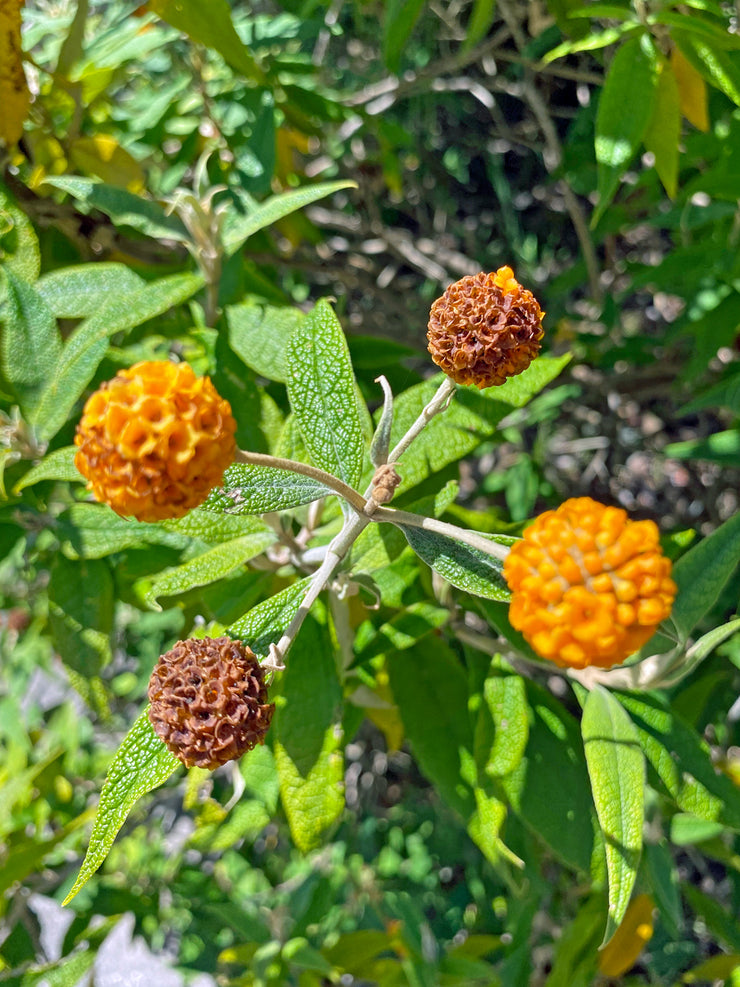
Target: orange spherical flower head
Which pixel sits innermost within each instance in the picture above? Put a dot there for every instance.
(209, 701)
(485, 329)
(589, 586)
(155, 440)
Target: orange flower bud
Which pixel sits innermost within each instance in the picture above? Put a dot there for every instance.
(155, 440)
(589, 586)
(209, 701)
(485, 328)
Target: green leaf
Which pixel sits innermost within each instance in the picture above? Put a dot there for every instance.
(402, 631)
(663, 877)
(81, 601)
(124, 208)
(549, 789)
(260, 489)
(19, 245)
(481, 18)
(92, 531)
(78, 291)
(58, 465)
(594, 41)
(505, 697)
(719, 68)
(29, 344)
(323, 396)
(204, 569)
(721, 447)
(576, 951)
(141, 763)
(616, 766)
(702, 573)
(240, 228)
(211, 528)
(398, 23)
(88, 344)
(266, 623)
(472, 417)
(67, 972)
(625, 108)
(430, 688)
(259, 335)
(210, 25)
(682, 762)
(470, 569)
(687, 830)
(308, 738)
(664, 129)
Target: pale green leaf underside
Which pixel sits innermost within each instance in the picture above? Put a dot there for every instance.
(260, 489)
(321, 389)
(469, 569)
(78, 291)
(616, 767)
(141, 763)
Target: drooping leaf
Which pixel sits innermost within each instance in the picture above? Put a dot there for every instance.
(692, 90)
(81, 613)
(625, 107)
(259, 336)
(664, 129)
(323, 396)
(87, 345)
(308, 738)
(616, 766)
(141, 763)
(681, 761)
(260, 489)
(266, 623)
(718, 67)
(240, 228)
(29, 343)
(124, 207)
(470, 569)
(211, 26)
(214, 564)
(78, 291)
(427, 679)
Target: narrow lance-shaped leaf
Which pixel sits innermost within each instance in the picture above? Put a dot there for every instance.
(616, 766)
(141, 764)
(322, 393)
(260, 489)
(625, 107)
(663, 131)
(470, 569)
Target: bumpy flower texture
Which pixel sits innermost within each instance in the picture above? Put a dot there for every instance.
(209, 701)
(155, 440)
(589, 586)
(485, 328)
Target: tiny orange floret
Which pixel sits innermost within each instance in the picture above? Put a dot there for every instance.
(154, 441)
(589, 586)
(485, 328)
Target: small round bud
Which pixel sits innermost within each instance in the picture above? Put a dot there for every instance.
(154, 441)
(485, 328)
(589, 586)
(209, 701)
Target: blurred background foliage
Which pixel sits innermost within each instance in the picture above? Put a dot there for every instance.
(594, 147)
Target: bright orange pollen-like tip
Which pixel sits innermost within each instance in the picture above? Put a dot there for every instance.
(154, 441)
(589, 586)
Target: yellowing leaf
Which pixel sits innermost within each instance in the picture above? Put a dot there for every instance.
(103, 157)
(692, 91)
(635, 930)
(14, 96)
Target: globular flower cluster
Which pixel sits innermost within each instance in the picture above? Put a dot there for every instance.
(485, 328)
(589, 586)
(209, 701)
(155, 440)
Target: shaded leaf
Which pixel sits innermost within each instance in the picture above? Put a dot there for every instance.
(398, 23)
(664, 129)
(266, 623)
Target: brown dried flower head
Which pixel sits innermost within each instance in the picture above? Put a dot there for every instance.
(154, 441)
(209, 701)
(485, 328)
